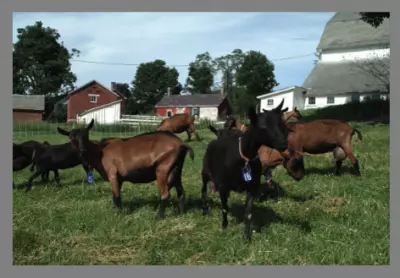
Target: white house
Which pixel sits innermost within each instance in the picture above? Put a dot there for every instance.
(353, 65)
(109, 113)
(294, 97)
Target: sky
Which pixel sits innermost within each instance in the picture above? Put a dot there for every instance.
(176, 38)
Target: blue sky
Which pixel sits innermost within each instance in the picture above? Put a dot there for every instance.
(178, 37)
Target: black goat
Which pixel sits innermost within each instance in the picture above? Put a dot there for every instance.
(231, 161)
(54, 158)
(22, 156)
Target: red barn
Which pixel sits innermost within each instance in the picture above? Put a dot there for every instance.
(204, 106)
(91, 95)
(28, 107)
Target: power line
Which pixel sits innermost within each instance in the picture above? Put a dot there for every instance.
(132, 64)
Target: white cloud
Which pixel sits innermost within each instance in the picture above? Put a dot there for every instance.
(178, 37)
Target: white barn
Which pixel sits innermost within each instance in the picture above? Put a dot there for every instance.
(294, 97)
(109, 113)
(353, 65)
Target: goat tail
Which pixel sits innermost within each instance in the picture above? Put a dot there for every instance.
(356, 131)
(213, 129)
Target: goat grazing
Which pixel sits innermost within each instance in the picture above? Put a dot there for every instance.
(325, 135)
(54, 158)
(22, 156)
(179, 123)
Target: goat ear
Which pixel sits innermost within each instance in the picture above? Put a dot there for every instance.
(252, 115)
(286, 109)
(62, 131)
(90, 125)
(279, 107)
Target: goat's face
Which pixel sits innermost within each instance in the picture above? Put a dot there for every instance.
(271, 129)
(79, 137)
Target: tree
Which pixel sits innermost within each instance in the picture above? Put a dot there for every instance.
(377, 68)
(228, 66)
(41, 63)
(151, 84)
(123, 88)
(374, 19)
(201, 75)
(177, 89)
(256, 75)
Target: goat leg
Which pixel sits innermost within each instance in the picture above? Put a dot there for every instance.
(30, 180)
(248, 216)
(57, 178)
(204, 202)
(223, 194)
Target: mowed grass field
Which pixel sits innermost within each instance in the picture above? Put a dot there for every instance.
(346, 223)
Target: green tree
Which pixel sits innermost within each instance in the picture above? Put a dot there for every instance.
(228, 66)
(256, 75)
(201, 75)
(123, 88)
(374, 19)
(151, 84)
(40, 62)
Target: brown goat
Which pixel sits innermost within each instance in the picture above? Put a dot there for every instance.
(325, 135)
(153, 156)
(295, 114)
(179, 123)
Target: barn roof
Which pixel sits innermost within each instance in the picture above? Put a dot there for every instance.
(191, 100)
(345, 77)
(29, 102)
(117, 94)
(345, 30)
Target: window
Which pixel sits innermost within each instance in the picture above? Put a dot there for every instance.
(311, 100)
(367, 98)
(330, 100)
(93, 98)
(270, 102)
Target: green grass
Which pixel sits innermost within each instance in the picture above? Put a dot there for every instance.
(75, 225)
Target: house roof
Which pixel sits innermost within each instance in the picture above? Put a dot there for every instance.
(191, 100)
(281, 91)
(345, 30)
(29, 102)
(342, 78)
(117, 94)
(99, 107)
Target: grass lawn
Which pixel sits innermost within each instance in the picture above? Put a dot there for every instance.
(347, 222)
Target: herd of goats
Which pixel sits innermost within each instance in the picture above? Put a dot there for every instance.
(234, 161)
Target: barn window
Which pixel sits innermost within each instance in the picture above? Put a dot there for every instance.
(270, 102)
(330, 100)
(311, 100)
(93, 98)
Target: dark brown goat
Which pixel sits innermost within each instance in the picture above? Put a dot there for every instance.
(231, 162)
(179, 123)
(325, 135)
(271, 158)
(22, 156)
(153, 156)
